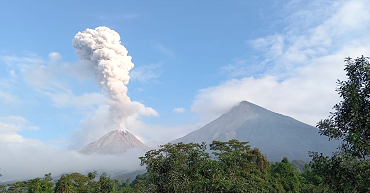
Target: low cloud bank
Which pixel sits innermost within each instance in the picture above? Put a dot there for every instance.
(31, 159)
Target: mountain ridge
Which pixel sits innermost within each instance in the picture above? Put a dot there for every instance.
(276, 135)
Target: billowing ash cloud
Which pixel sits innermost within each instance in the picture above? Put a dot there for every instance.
(102, 47)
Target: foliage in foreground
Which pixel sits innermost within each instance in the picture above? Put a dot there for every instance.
(69, 183)
(351, 119)
(349, 169)
(234, 167)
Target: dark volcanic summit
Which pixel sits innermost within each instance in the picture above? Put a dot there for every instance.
(276, 135)
(115, 143)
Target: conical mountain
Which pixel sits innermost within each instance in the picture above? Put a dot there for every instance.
(276, 135)
(115, 143)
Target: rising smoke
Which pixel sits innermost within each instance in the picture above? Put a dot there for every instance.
(103, 49)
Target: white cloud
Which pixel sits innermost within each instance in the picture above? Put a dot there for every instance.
(293, 48)
(42, 74)
(92, 127)
(10, 125)
(14, 61)
(13, 119)
(12, 74)
(8, 133)
(65, 98)
(23, 159)
(179, 110)
(35, 128)
(55, 57)
(34, 70)
(154, 135)
(82, 70)
(143, 110)
(241, 67)
(300, 67)
(46, 77)
(148, 73)
(27, 160)
(39, 72)
(8, 98)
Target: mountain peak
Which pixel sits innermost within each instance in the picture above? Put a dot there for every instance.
(274, 134)
(115, 142)
(246, 107)
(117, 132)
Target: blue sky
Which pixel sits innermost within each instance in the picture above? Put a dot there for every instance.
(193, 61)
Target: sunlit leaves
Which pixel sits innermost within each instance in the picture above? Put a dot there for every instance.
(351, 119)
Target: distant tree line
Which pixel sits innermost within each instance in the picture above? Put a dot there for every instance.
(234, 166)
(69, 183)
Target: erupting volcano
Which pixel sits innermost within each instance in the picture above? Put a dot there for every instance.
(114, 143)
(101, 48)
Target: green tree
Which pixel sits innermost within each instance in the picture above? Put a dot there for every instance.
(240, 168)
(238, 155)
(64, 185)
(18, 187)
(351, 119)
(2, 187)
(349, 169)
(38, 185)
(124, 187)
(75, 182)
(140, 179)
(189, 168)
(312, 180)
(287, 175)
(174, 167)
(105, 184)
(342, 173)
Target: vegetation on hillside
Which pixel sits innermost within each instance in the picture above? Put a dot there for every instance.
(232, 167)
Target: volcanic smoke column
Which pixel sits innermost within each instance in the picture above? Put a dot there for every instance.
(102, 47)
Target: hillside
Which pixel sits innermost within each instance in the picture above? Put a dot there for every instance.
(274, 134)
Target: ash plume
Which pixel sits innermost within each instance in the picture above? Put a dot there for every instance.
(103, 49)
